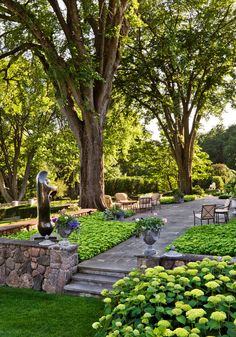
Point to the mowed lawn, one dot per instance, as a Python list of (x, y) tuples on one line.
[(28, 313)]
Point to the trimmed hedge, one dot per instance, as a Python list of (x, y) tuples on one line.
[(24, 212), (130, 185)]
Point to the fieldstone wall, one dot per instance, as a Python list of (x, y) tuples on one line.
[(26, 264), (170, 262)]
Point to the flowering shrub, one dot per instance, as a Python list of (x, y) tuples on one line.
[(195, 300), (66, 223)]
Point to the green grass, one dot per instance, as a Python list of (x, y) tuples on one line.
[(171, 199), (212, 239), (28, 313), (95, 235)]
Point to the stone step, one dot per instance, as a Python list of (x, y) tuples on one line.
[(120, 273), (79, 289), (94, 279)]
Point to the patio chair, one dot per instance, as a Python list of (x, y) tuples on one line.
[(144, 203), (156, 197), (125, 202), (207, 213), (223, 210), (109, 202)]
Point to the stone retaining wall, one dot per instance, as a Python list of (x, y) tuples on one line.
[(170, 262), (26, 264)]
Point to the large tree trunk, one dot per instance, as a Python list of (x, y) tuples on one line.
[(91, 172), (184, 162), (185, 179), (7, 197)]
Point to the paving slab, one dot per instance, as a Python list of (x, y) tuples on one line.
[(179, 218)]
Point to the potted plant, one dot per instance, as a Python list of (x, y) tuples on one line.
[(114, 213), (178, 196), (65, 224), (150, 228)]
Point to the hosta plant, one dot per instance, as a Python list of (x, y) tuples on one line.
[(195, 300)]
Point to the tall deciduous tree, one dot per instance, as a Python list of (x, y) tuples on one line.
[(79, 43), (180, 67), (26, 110)]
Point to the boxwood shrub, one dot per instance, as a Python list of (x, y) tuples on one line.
[(212, 239), (189, 301)]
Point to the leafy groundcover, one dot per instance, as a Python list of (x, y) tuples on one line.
[(95, 235), (196, 300), (212, 239)]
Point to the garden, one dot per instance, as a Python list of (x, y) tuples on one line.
[(116, 96)]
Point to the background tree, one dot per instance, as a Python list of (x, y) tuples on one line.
[(180, 68), (79, 44), (220, 144), (26, 113)]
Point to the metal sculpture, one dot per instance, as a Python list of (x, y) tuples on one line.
[(44, 193)]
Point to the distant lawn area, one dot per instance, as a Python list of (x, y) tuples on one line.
[(212, 239), (28, 313), (95, 235)]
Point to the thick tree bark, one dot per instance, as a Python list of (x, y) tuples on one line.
[(7, 197), (91, 170)]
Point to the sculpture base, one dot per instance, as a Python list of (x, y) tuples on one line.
[(39, 238)]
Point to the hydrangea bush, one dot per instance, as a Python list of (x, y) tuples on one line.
[(195, 300)]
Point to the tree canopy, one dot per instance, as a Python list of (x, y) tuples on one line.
[(180, 66), (79, 44)]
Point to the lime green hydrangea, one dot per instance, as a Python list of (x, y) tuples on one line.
[(168, 333), (164, 322), (179, 270), (209, 277), (218, 316), (96, 325), (136, 332), (147, 315), (214, 299), (120, 307), (203, 320), (107, 300), (224, 278), (193, 334), (195, 330), (192, 272), (196, 292), (193, 265), (181, 332), (118, 324), (141, 297), (192, 314), (182, 305), (176, 311), (184, 280), (212, 284), (196, 279), (232, 272), (230, 299)]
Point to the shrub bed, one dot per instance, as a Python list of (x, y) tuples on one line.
[(171, 199), (195, 300), (220, 240), (95, 236)]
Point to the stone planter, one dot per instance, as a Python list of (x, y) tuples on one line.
[(150, 237)]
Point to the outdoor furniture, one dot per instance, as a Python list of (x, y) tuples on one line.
[(109, 202), (144, 203), (156, 197), (207, 213), (223, 210), (122, 199)]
